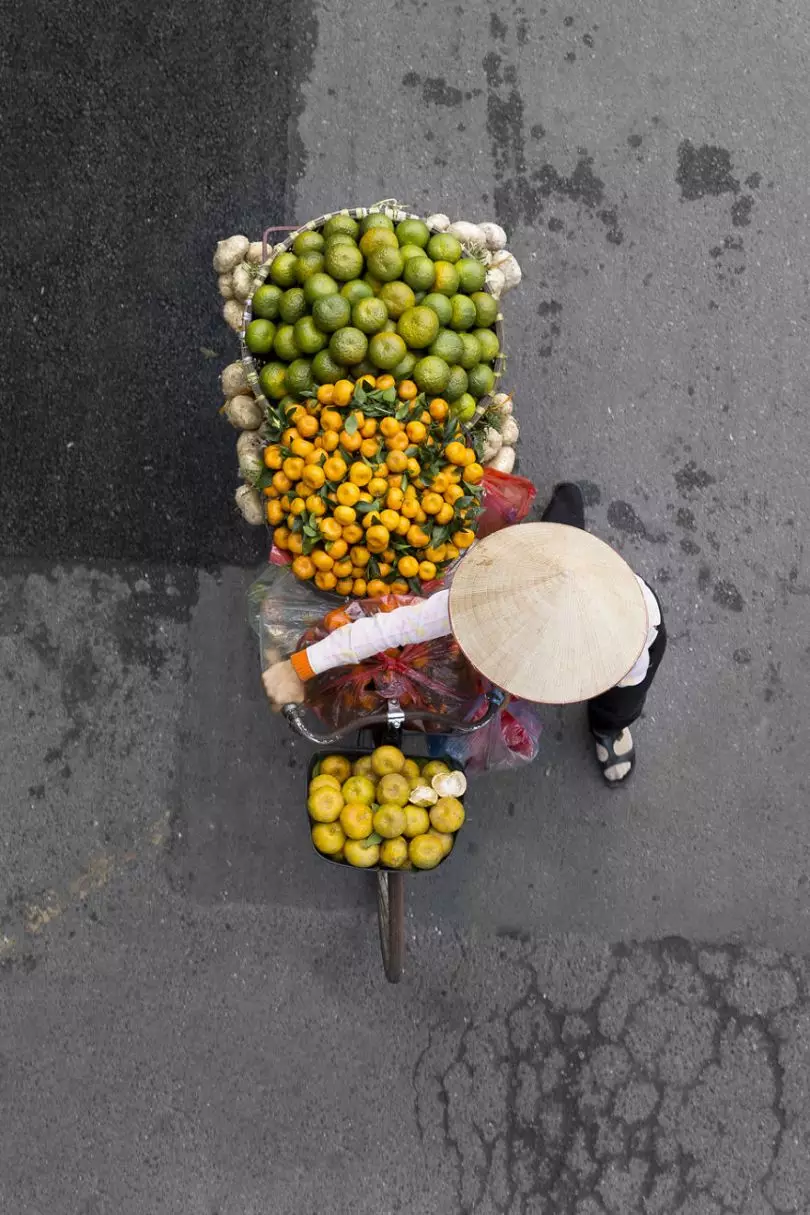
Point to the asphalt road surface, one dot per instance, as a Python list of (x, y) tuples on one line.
[(607, 1004)]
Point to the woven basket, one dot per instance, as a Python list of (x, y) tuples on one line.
[(394, 212)]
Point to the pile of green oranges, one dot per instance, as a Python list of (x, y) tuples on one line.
[(363, 298)]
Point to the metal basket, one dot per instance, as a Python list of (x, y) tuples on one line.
[(396, 213)]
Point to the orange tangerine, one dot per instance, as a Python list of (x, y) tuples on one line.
[(281, 482), (343, 586), (416, 432), (325, 580), (359, 474), (432, 503), (316, 505), (385, 381), (407, 390), (408, 567), (438, 409), (456, 453), (377, 538), (313, 476), (297, 507), (445, 514), (321, 560), (350, 442), (377, 486), (335, 468), (353, 533), (303, 568), (369, 448), (389, 519), (337, 549), (473, 473), (464, 538), (272, 456), (301, 447), (398, 587), (274, 513), (397, 442), (390, 426), (376, 588), (281, 537), (296, 542), (403, 526), (343, 392), (330, 440), (326, 394), (342, 569), (330, 529), (427, 571), (345, 515), (453, 493), (331, 419), (359, 587), (347, 493), (414, 468), (417, 538), (360, 556)]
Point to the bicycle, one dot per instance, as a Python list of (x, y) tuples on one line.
[(389, 728)]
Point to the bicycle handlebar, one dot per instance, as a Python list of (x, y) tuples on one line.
[(294, 715)]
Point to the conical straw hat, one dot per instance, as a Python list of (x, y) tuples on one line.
[(548, 612)]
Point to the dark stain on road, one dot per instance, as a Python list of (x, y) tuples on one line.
[(497, 28), (741, 211), (435, 89), (622, 517), (727, 595), (591, 493), (704, 578), (754, 181), (742, 656), (690, 477), (702, 171), (685, 519)]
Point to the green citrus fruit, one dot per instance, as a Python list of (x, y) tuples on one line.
[(413, 232), (348, 345), (418, 326), (355, 290), (331, 313), (443, 248), (386, 350), (464, 407), (376, 220), (369, 315), (409, 251), (377, 238), (308, 242), (470, 351), (308, 337), (340, 238), (343, 262), (403, 369), (463, 312), (481, 379), (373, 283), (285, 344), (319, 286), (419, 273), (431, 374), (445, 279), (418, 296), (385, 264), (397, 297), (282, 269), (447, 346), (486, 308), (456, 385), (488, 341), (364, 367), (265, 301), (299, 376), (325, 370), (272, 379), (259, 336), (292, 305), (440, 305), (471, 275), (343, 224), (308, 264), (390, 326)]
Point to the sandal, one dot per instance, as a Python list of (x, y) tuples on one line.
[(608, 757)]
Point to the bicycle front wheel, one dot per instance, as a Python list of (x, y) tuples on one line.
[(391, 917)]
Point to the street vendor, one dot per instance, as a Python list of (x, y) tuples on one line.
[(542, 610)]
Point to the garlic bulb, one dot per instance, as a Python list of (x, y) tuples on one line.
[(510, 432), (232, 313), (225, 286), (229, 253), (502, 404), (492, 444), (438, 222), (494, 236), (242, 281), (507, 264), (496, 283), (504, 461), (250, 504), (233, 380), (254, 253), (468, 234), (244, 413)]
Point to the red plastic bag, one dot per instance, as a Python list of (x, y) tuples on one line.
[(431, 675), (507, 500), (509, 741)]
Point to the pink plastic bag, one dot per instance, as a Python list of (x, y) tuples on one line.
[(510, 740), (507, 500)]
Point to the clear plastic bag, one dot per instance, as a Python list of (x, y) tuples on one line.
[(509, 741), (281, 609), (507, 500)]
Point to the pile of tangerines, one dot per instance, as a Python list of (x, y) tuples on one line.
[(371, 487)]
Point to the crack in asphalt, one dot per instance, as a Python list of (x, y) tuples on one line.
[(664, 1095)]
